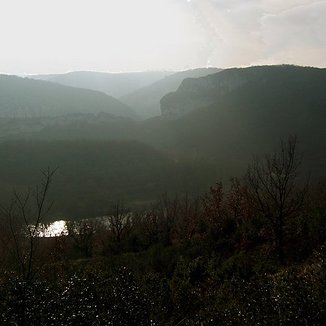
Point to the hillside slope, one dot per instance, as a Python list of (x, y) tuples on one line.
[(92, 175), (23, 97)]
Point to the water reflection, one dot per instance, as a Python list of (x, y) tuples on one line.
[(55, 229)]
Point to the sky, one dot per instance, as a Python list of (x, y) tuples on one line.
[(55, 36)]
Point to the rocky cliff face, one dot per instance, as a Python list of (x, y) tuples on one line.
[(195, 93), (146, 101)]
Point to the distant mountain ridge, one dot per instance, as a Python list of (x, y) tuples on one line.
[(146, 100), (113, 84), (24, 97)]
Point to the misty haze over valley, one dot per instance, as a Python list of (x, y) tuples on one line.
[(162, 163)]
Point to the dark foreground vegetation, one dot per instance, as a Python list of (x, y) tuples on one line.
[(252, 253)]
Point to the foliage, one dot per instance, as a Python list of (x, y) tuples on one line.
[(183, 261)]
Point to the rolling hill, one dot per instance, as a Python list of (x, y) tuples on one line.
[(23, 97)]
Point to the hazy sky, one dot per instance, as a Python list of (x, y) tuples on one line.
[(42, 36)]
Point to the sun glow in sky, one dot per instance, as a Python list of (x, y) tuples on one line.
[(44, 36)]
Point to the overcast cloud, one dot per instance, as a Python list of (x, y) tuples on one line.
[(40, 36)]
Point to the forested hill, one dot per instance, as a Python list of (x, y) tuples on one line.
[(23, 97), (281, 88), (238, 113)]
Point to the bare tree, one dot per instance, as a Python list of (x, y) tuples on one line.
[(213, 207), (238, 202), (274, 187), (186, 225), (119, 221), (24, 216), (83, 232)]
